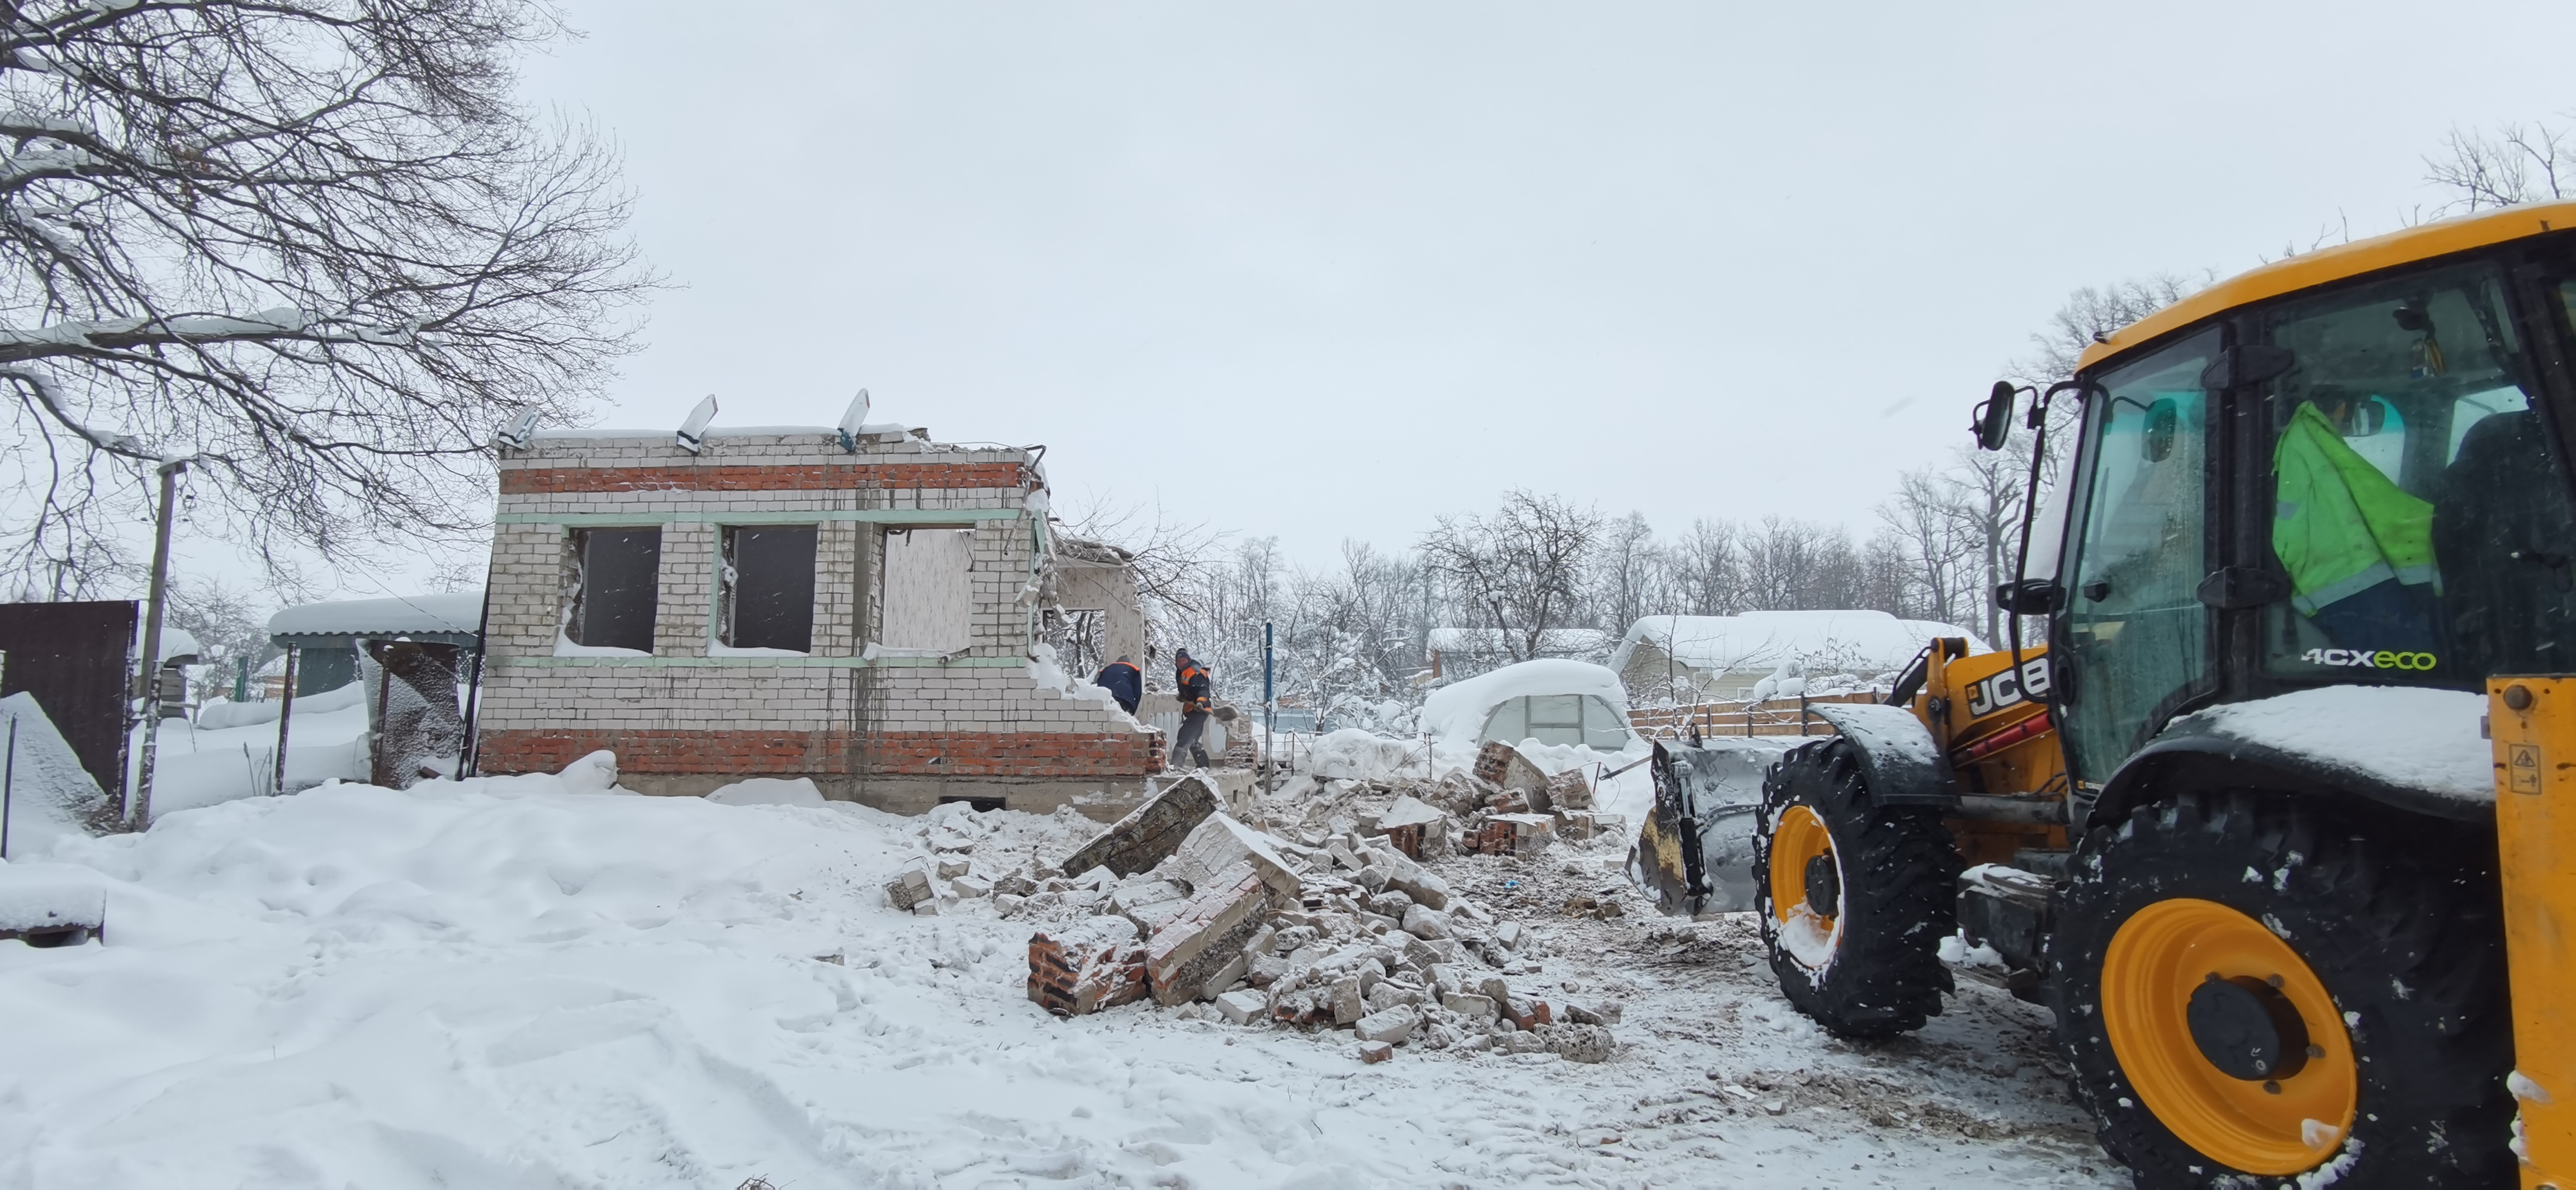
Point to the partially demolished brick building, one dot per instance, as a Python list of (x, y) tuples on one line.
[(784, 602)]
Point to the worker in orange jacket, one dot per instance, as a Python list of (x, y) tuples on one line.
[(1190, 682)]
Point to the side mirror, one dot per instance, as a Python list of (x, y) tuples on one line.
[(2030, 597), (1994, 416), (2164, 424)]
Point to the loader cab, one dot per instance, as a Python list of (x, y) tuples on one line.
[(2357, 481)]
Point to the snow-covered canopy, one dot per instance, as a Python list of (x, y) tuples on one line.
[(1852, 640), (1459, 714), (175, 641), (446, 619)]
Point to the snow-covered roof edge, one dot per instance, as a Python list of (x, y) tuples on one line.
[(460, 613), (1874, 639)]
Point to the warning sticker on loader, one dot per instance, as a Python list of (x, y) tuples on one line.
[(2522, 768)]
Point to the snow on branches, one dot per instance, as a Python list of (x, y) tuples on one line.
[(317, 243)]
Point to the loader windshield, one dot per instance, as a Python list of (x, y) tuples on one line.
[(2415, 509)]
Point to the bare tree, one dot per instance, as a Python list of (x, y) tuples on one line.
[(2516, 163), (2089, 315), (317, 243), (1708, 569), (229, 624), (1628, 574), (1933, 521), (1519, 571)]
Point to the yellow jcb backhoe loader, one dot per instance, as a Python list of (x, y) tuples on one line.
[(2237, 818)]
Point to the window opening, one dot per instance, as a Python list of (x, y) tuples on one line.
[(766, 580), (929, 590), (616, 581)]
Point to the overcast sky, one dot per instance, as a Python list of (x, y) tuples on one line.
[(1324, 271)]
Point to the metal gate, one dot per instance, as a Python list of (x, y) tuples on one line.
[(75, 658)]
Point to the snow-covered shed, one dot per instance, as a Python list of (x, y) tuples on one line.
[(1695, 658), (1554, 701), (327, 634), (411, 649)]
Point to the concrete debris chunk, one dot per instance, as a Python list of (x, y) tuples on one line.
[(1425, 923), (1205, 935), (1150, 833), (910, 888), (1388, 993), (1218, 844), (1509, 934), (1392, 1025), (969, 887), (951, 868), (1410, 878), (1594, 1012), (1577, 1043), (1468, 1004), (1242, 1007), (1226, 976), (1374, 1052), (1389, 904), (1348, 1003)]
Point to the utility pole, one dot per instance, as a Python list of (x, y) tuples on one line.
[(148, 682), (1269, 708)]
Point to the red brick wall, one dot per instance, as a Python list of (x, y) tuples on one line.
[(751, 753), (522, 481)]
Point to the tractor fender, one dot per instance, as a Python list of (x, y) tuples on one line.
[(2275, 744), (1902, 763)]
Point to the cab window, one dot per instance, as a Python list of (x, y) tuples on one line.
[(2415, 510)]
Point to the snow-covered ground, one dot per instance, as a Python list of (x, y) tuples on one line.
[(201, 766), (498, 984)]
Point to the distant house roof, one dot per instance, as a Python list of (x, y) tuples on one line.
[(1860, 641), (440, 619)]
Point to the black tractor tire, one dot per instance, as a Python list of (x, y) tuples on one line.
[(1897, 894), (2398, 918)]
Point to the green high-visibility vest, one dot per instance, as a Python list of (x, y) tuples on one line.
[(2339, 525)]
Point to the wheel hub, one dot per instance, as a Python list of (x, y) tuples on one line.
[(2246, 1028), (2228, 1036), (1824, 886)]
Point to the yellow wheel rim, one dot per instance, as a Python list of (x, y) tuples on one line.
[(1807, 932), (2159, 958)]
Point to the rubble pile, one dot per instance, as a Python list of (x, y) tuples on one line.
[(1338, 926)]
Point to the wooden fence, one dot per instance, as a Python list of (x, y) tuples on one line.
[(1778, 716)]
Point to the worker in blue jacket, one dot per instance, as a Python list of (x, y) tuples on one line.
[(1123, 681)]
